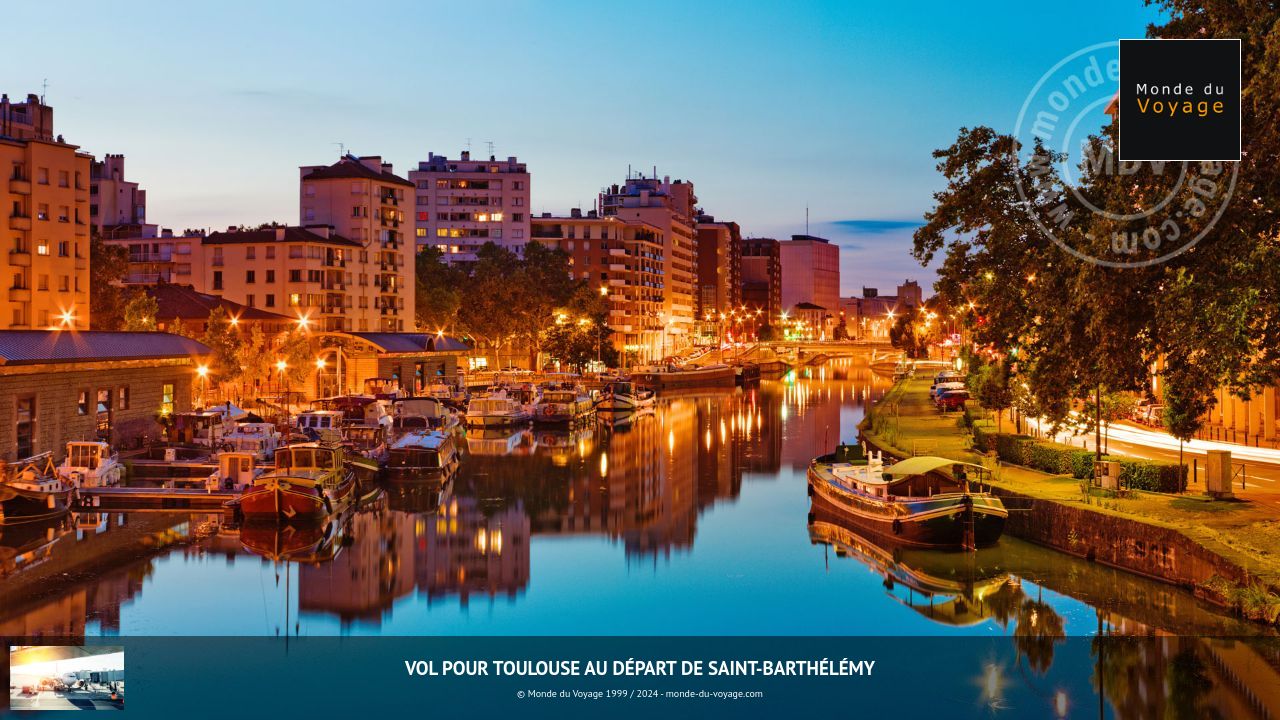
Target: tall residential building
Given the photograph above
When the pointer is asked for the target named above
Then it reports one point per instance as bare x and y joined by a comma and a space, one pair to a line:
719, 267
117, 207
364, 201
623, 259
462, 204
45, 197
670, 207
810, 273
762, 276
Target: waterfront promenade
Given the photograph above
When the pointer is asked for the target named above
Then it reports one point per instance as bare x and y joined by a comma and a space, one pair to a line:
1244, 532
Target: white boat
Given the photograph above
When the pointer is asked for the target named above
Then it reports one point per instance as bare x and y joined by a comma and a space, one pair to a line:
259, 439
563, 404
236, 472
446, 392
621, 397
423, 413
422, 454
496, 408
314, 423
90, 463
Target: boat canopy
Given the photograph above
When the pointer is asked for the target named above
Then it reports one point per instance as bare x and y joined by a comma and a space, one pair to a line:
923, 465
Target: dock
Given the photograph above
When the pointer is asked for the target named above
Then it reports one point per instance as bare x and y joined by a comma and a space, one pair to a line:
137, 498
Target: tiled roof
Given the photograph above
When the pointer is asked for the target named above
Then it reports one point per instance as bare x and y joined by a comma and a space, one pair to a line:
349, 167
411, 342
267, 235
26, 347
184, 303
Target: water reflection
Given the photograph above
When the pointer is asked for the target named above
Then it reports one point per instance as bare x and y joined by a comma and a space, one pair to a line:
635, 527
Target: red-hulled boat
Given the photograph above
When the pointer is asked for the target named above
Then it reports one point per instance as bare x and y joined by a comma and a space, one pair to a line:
311, 481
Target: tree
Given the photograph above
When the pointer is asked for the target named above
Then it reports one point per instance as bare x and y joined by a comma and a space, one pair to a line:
989, 385
1210, 317
768, 333
225, 343
139, 313
437, 296
108, 265
1115, 406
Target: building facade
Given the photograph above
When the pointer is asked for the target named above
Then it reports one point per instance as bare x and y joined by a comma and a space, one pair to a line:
365, 202
462, 204
671, 208
762, 277
719, 267
114, 202
45, 200
871, 316
58, 386
311, 274
623, 259
810, 273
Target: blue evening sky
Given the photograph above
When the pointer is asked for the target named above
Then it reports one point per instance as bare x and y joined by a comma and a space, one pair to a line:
767, 107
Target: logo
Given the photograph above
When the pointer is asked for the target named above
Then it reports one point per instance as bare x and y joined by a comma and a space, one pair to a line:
1093, 205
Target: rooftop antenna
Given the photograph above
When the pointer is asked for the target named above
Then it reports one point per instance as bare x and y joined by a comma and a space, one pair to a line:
44, 88
490, 144
342, 149
806, 219
468, 144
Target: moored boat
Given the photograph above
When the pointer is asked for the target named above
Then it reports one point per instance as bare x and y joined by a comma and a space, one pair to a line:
90, 463
670, 376
621, 396
496, 408
31, 491
911, 502
422, 454
310, 481
567, 403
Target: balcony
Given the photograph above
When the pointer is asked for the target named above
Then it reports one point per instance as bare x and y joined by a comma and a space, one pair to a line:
19, 294
19, 222
19, 258
18, 186
147, 278
145, 257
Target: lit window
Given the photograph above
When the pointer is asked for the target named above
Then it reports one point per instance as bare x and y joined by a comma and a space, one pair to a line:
496, 217
42, 247
295, 299
442, 232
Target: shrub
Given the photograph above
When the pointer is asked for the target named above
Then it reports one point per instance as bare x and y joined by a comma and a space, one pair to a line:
1150, 475
1049, 457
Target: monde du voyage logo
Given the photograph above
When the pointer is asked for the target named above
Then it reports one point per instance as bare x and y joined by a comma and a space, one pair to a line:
1179, 100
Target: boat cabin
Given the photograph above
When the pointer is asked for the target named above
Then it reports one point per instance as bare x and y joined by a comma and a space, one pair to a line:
235, 470
258, 438
90, 463
320, 420
201, 427
363, 438
309, 456
423, 450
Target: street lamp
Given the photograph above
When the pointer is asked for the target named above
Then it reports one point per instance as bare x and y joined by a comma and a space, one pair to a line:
203, 372
280, 368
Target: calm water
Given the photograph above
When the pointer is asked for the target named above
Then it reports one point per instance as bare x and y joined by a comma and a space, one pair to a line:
694, 520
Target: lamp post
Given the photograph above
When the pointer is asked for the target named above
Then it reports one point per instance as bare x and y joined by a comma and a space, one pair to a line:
280, 368
203, 372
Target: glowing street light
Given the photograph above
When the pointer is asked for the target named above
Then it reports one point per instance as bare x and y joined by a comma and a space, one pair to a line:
320, 363
67, 317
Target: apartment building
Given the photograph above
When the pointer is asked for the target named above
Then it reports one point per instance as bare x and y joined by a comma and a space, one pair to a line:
161, 257
323, 280
810, 273
462, 204
762, 277
623, 259
719, 267
364, 202
669, 207
45, 200
117, 207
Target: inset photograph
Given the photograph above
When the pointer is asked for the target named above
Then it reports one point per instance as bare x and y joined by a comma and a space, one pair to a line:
66, 677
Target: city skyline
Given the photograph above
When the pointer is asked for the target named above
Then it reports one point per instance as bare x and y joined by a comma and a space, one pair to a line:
767, 142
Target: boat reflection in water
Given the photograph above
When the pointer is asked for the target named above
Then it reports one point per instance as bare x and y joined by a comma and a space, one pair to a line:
26, 545
562, 445
949, 588
500, 442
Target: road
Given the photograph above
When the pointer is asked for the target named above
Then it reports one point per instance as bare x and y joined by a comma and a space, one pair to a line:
1259, 467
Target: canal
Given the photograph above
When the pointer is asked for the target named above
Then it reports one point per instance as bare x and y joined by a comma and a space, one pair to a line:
693, 520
